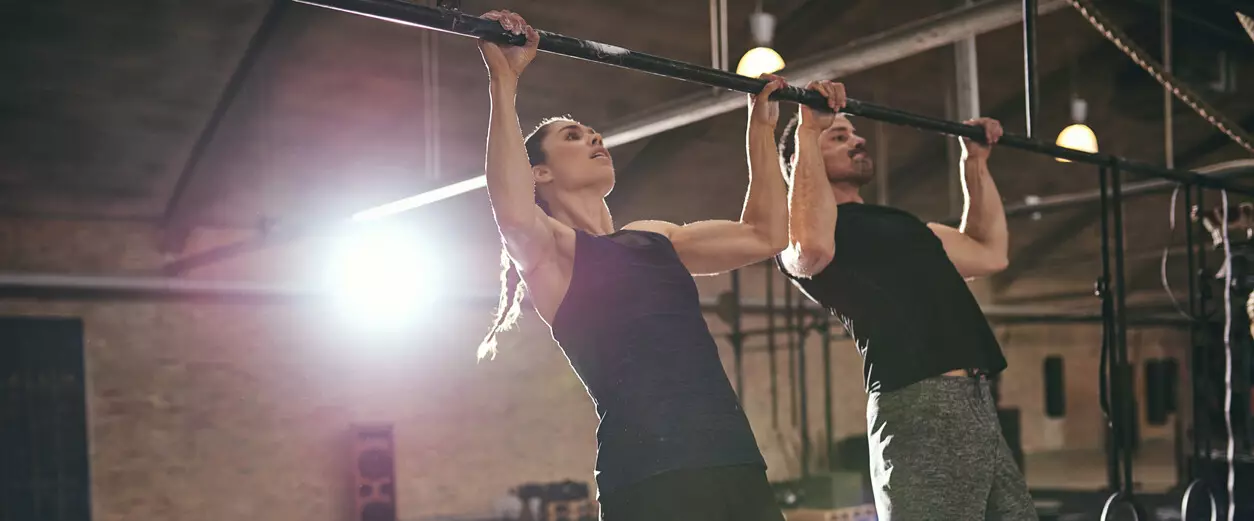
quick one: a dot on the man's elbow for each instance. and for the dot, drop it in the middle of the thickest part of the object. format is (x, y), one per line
(813, 257)
(993, 264)
(999, 264)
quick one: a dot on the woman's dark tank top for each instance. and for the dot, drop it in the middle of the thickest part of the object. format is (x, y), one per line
(632, 328)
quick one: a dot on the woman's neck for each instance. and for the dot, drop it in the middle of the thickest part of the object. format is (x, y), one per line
(586, 212)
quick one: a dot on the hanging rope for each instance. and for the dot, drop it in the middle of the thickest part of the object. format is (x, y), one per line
(1178, 88)
(1247, 23)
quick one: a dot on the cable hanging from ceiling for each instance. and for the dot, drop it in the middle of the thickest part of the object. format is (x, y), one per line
(1181, 91)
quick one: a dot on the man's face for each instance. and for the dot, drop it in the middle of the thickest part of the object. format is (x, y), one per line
(845, 154)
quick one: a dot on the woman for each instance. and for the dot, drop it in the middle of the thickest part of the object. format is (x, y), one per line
(673, 441)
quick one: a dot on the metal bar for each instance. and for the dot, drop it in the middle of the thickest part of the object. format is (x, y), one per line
(36, 283)
(50, 285)
(723, 35)
(925, 34)
(1225, 170)
(1105, 389)
(862, 54)
(1204, 313)
(737, 339)
(1031, 85)
(952, 128)
(967, 97)
(233, 85)
(1194, 329)
(714, 33)
(458, 23)
(1122, 368)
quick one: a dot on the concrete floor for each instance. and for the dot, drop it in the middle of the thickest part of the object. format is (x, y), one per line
(1153, 469)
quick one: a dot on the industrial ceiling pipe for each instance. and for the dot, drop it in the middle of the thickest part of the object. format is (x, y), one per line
(93, 287)
(1226, 170)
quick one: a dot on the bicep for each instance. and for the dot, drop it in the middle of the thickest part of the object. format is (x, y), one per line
(971, 258)
(713, 246)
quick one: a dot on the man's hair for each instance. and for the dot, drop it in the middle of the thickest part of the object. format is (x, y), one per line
(788, 143)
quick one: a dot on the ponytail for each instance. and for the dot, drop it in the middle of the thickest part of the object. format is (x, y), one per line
(509, 307)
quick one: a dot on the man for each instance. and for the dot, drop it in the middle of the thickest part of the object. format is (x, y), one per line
(898, 285)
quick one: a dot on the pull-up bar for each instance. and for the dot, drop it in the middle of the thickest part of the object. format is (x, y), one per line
(456, 22)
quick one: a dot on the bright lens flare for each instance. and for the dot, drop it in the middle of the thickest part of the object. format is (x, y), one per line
(379, 276)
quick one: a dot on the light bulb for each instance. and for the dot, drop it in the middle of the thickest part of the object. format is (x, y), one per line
(759, 61)
(1077, 137)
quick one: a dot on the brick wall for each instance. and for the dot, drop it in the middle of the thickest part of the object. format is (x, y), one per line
(210, 410)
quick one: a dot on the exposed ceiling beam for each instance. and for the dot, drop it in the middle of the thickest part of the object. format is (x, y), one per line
(176, 219)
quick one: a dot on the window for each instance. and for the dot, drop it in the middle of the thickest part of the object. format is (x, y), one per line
(43, 421)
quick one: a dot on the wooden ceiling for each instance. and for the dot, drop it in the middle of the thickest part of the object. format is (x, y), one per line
(101, 104)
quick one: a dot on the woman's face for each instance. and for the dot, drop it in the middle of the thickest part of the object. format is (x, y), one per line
(574, 158)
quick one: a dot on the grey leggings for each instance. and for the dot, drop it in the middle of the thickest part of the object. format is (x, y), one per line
(937, 453)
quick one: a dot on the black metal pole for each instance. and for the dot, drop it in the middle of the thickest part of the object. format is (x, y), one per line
(1194, 329)
(828, 422)
(458, 23)
(1202, 377)
(1032, 95)
(1123, 368)
(1105, 388)
(770, 345)
(737, 339)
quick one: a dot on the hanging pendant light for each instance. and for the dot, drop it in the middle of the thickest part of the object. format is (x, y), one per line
(1078, 136)
(761, 59)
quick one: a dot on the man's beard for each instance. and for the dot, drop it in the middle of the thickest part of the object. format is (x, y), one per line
(861, 173)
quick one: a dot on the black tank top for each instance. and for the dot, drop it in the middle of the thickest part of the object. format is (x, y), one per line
(899, 296)
(631, 327)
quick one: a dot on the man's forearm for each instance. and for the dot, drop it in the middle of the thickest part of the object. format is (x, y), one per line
(765, 203)
(983, 216)
(812, 208)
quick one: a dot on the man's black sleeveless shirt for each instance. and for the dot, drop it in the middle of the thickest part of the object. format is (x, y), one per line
(907, 308)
